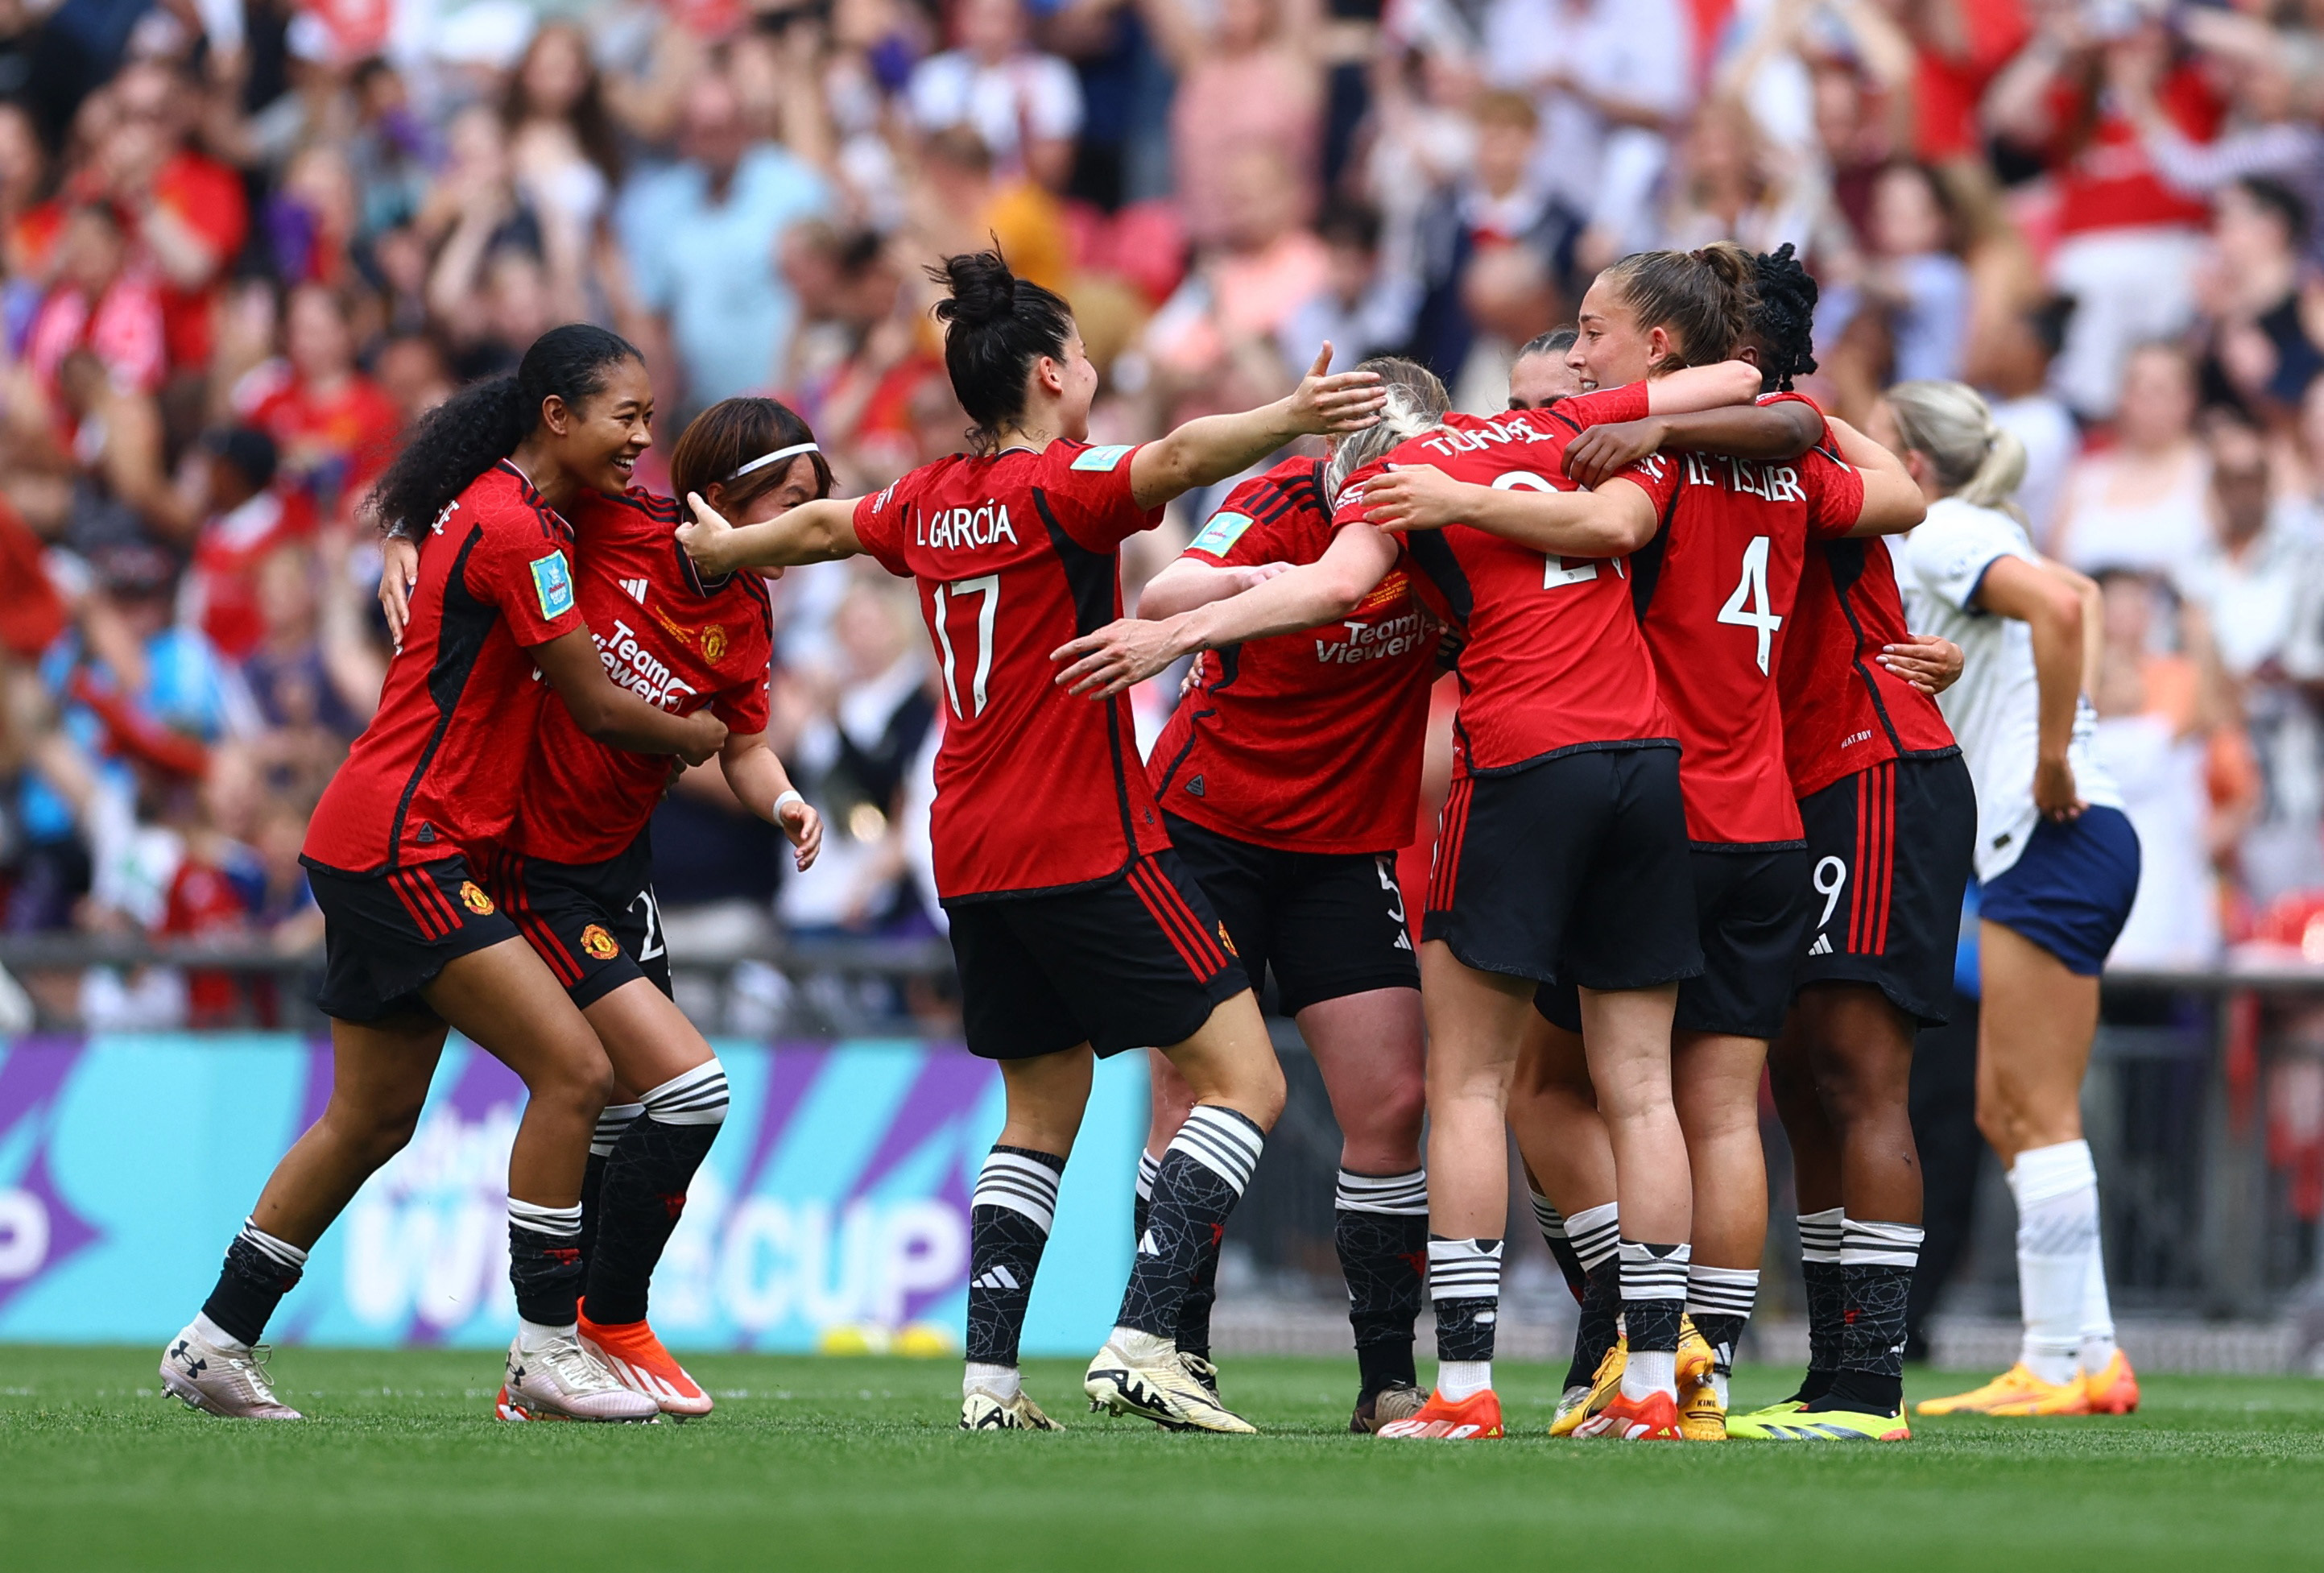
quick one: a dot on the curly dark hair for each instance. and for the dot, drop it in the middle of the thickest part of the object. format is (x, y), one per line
(996, 326)
(1783, 320)
(483, 424)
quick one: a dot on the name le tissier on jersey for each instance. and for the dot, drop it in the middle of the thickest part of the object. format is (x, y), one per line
(1012, 555)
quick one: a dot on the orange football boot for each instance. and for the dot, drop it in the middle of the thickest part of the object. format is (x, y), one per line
(1651, 1419)
(2114, 1390)
(1474, 1419)
(638, 1361)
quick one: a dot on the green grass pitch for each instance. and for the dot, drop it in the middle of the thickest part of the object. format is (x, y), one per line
(843, 1464)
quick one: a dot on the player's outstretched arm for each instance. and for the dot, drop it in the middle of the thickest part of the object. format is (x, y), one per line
(1613, 521)
(1759, 432)
(763, 786)
(1209, 449)
(1127, 653)
(822, 531)
(1893, 502)
(615, 716)
(1185, 584)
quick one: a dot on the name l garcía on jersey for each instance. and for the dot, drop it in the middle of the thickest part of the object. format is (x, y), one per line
(1771, 483)
(633, 667)
(1374, 641)
(964, 529)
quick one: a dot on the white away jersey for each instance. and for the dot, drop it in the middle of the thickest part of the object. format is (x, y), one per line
(1995, 709)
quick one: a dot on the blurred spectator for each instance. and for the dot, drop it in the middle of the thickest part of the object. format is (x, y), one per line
(333, 427)
(2260, 355)
(1612, 78)
(1250, 75)
(2139, 504)
(99, 302)
(2259, 582)
(1362, 309)
(2011, 363)
(1024, 105)
(700, 236)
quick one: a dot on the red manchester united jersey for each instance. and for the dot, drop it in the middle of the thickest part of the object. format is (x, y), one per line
(667, 637)
(1554, 662)
(1013, 554)
(1843, 711)
(1715, 593)
(1304, 742)
(441, 763)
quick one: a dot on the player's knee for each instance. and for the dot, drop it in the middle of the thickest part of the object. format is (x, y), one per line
(1384, 1131)
(578, 1076)
(374, 1132)
(1259, 1091)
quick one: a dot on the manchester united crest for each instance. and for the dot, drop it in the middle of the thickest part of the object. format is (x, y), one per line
(473, 897)
(713, 643)
(598, 943)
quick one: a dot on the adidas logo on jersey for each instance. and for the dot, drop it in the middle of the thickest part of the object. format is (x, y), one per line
(635, 589)
(1822, 946)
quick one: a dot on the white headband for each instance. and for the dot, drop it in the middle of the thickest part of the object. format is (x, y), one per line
(764, 460)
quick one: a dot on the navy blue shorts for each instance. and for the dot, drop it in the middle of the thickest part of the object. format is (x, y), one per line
(2070, 891)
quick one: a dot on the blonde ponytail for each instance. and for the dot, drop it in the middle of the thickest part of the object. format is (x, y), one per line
(1416, 402)
(1973, 457)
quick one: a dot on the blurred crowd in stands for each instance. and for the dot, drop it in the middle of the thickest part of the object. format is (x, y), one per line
(245, 241)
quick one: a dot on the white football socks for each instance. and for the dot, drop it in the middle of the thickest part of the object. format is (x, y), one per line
(1002, 1382)
(1460, 1379)
(2057, 1193)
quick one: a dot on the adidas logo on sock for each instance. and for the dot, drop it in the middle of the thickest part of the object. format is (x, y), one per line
(1145, 1246)
(998, 1277)
(1822, 946)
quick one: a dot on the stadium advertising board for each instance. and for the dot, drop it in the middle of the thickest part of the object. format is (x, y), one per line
(833, 1211)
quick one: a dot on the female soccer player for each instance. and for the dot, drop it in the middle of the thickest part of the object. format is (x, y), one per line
(411, 941)
(1714, 591)
(2058, 863)
(576, 870)
(1289, 775)
(1075, 927)
(1282, 567)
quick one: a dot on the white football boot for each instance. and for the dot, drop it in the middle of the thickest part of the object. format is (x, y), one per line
(980, 1410)
(1141, 1374)
(222, 1382)
(561, 1381)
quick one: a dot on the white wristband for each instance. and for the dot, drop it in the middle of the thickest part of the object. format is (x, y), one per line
(790, 796)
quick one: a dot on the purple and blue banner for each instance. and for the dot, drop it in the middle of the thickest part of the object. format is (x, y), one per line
(832, 1213)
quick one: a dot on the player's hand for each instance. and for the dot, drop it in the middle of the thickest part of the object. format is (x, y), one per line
(1608, 451)
(1328, 402)
(1256, 575)
(1928, 663)
(1418, 497)
(1116, 657)
(803, 828)
(705, 538)
(399, 570)
(708, 736)
(2053, 790)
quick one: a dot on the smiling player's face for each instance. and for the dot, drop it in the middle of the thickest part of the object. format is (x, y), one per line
(605, 434)
(1611, 350)
(798, 486)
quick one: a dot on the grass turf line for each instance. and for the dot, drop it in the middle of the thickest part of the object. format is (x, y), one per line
(820, 1463)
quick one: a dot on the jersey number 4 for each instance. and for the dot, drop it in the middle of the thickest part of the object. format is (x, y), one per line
(1555, 571)
(1748, 607)
(986, 587)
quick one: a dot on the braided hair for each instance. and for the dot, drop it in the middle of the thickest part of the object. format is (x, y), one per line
(1783, 321)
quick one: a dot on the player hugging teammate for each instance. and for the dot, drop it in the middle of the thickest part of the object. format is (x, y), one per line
(481, 862)
(1706, 820)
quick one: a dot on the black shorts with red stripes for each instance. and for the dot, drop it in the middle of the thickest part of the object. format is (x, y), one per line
(1327, 924)
(595, 924)
(386, 936)
(1136, 961)
(1574, 869)
(1889, 852)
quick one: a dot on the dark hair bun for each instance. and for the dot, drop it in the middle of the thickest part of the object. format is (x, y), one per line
(982, 289)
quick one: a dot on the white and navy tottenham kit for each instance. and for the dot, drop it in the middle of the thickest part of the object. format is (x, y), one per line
(2067, 887)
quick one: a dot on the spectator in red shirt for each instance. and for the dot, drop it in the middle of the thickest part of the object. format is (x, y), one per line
(186, 211)
(334, 426)
(247, 518)
(99, 302)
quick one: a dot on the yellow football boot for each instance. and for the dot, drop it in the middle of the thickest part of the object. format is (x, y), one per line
(1603, 1386)
(2114, 1390)
(2015, 1391)
(1701, 1417)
